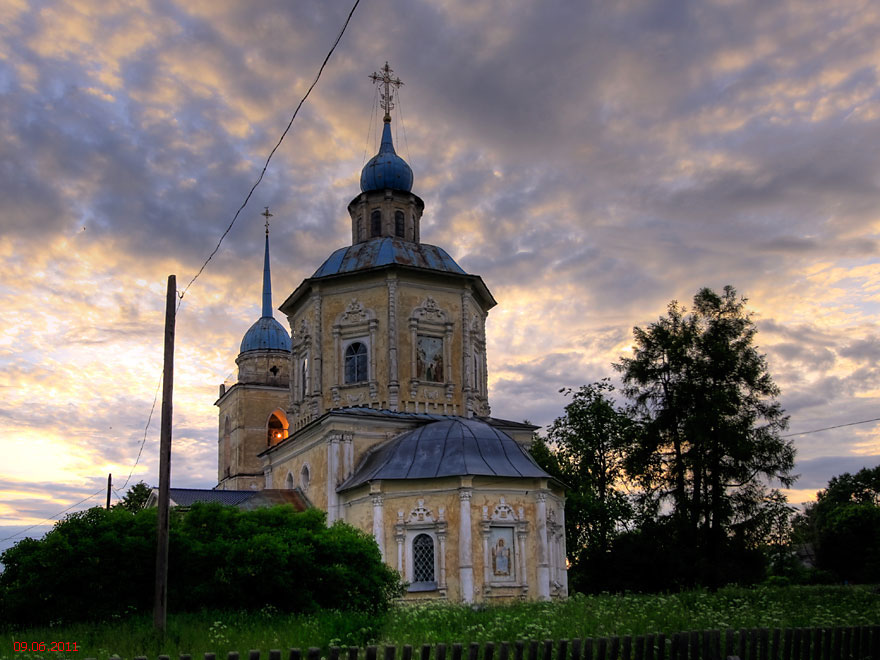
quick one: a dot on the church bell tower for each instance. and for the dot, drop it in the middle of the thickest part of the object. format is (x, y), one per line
(253, 411)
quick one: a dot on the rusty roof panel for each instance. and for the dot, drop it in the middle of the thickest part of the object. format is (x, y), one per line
(386, 251)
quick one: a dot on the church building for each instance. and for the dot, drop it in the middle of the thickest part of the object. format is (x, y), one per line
(375, 407)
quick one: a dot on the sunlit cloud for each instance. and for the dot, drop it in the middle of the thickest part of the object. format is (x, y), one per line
(590, 166)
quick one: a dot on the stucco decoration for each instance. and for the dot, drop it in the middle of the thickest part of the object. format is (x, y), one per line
(504, 533)
(431, 341)
(421, 548)
(356, 324)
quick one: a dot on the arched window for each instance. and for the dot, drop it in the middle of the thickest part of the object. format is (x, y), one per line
(398, 224)
(355, 363)
(360, 229)
(423, 558)
(304, 477)
(376, 223)
(288, 483)
(227, 446)
(275, 431)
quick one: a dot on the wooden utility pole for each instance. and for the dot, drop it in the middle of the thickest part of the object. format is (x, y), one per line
(109, 482)
(160, 602)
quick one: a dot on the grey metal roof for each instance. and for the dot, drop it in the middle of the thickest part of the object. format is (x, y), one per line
(384, 251)
(453, 446)
(189, 496)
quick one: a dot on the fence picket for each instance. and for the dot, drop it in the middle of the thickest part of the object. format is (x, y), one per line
(489, 651)
(456, 651)
(390, 652)
(650, 640)
(334, 653)
(274, 654)
(661, 646)
(602, 648)
(473, 651)
(640, 647)
(588, 648)
(576, 649)
(253, 654)
(353, 652)
(562, 650)
(548, 650)
(518, 649)
(296, 654)
(407, 652)
(504, 651)
(533, 650)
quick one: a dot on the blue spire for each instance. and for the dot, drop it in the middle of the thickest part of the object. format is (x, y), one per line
(267, 281)
(266, 333)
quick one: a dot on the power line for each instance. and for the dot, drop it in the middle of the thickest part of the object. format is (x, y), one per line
(272, 153)
(97, 492)
(828, 428)
(214, 252)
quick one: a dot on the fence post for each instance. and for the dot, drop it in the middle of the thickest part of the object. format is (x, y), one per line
(504, 651)
(390, 652)
(518, 650)
(441, 652)
(295, 654)
(576, 648)
(533, 649)
(456, 651)
(407, 652)
(661, 646)
(473, 651)
(371, 653)
(562, 650)
(334, 653)
(587, 648)
(548, 649)
(232, 655)
(353, 652)
(489, 651)
(650, 640)
(426, 652)
(274, 654)
(253, 655)
(602, 648)
(627, 647)
(314, 653)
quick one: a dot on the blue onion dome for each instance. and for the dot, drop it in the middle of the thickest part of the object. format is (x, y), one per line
(386, 169)
(266, 334)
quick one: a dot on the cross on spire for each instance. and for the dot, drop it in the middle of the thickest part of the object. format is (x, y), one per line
(387, 95)
(267, 215)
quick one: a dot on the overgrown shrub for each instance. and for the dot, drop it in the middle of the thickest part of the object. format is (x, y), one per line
(97, 564)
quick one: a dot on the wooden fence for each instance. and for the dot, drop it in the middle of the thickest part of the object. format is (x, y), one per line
(852, 643)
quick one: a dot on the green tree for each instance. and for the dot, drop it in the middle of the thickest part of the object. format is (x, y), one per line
(843, 527)
(135, 497)
(586, 450)
(710, 422)
(99, 563)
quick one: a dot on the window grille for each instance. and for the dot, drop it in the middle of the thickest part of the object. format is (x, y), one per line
(376, 223)
(355, 363)
(423, 558)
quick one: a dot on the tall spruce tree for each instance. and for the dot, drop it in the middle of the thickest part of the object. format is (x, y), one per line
(710, 441)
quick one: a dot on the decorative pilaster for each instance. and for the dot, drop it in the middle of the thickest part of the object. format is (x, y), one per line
(487, 562)
(347, 455)
(267, 473)
(378, 500)
(441, 539)
(522, 532)
(374, 390)
(543, 566)
(563, 563)
(393, 380)
(467, 378)
(400, 537)
(465, 552)
(332, 476)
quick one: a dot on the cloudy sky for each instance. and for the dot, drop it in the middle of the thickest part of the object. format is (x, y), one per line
(591, 162)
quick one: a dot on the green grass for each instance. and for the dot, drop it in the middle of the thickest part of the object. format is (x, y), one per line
(416, 624)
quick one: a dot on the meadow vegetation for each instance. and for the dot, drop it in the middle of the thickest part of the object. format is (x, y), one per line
(595, 615)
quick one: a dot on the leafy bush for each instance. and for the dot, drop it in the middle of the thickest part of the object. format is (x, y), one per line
(97, 564)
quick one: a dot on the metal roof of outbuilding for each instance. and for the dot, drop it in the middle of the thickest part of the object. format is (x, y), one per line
(384, 251)
(450, 447)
